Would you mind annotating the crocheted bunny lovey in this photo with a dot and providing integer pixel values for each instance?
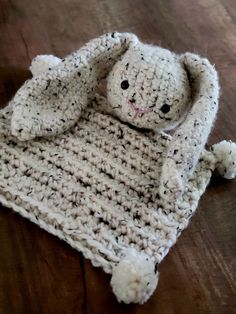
(148, 88)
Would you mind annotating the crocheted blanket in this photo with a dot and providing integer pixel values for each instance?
(96, 187)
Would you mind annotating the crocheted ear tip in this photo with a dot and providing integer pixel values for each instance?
(172, 185)
(22, 132)
(24, 129)
(135, 278)
(225, 153)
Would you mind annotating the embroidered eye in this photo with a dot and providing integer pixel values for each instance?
(165, 108)
(124, 84)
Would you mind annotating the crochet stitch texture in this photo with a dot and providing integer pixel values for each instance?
(102, 173)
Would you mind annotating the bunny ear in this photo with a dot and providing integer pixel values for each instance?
(51, 102)
(189, 139)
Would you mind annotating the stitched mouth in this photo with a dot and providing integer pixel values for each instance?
(138, 111)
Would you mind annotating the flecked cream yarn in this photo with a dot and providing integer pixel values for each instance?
(103, 174)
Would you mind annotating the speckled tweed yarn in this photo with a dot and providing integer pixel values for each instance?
(97, 172)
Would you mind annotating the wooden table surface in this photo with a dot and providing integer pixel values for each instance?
(41, 274)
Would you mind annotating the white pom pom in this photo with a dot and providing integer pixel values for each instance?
(42, 63)
(135, 278)
(225, 152)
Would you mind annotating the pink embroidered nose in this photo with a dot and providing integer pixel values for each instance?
(137, 110)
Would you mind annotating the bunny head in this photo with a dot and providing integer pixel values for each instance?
(149, 88)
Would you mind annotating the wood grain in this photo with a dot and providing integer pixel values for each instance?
(41, 274)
